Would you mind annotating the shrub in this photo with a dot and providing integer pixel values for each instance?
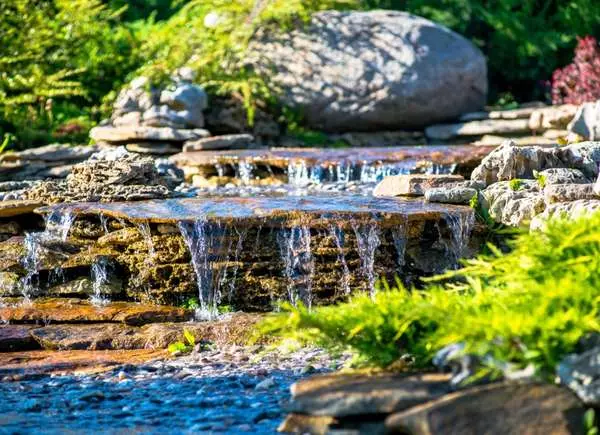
(530, 306)
(579, 82)
(58, 58)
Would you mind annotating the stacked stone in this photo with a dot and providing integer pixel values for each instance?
(160, 121)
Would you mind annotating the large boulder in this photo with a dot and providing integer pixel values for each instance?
(352, 71)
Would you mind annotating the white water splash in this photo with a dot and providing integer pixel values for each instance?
(367, 240)
(100, 278)
(299, 263)
(246, 171)
(338, 236)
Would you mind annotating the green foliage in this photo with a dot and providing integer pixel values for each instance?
(529, 306)
(58, 57)
(186, 346)
(541, 179)
(515, 184)
(589, 422)
(191, 304)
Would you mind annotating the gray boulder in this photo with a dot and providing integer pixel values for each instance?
(563, 176)
(514, 207)
(586, 122)
(360, 71)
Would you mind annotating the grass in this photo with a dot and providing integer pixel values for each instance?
(527, 307)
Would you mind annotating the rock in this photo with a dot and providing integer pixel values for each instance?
(581, 374)
(557, 117)
(354, 395)
(495, 409)
(555, 134)
(89, 337)
(513, 207)
(10, 284)
(18, 207)
(162, 116)
(412, 185)
(450, 195)
(230, 141)
(584, 156)
(52, 153)
(188, 101)
(307, 424)
(123, 177)
(362, 71)
(15, 338)
(586, 122)
(23, 364)
(84, 287)
(569, 192)
(493, 140)
(563, 176)
(61, 310)
(568, 210)
(153, 148)
(141, 133)
(477, 128)
(9, 186)
(510, 161)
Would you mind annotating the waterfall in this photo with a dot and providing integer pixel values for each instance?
(299, 263)
(204, 241)
(99, 272)
(338, 236)
(400, 236)
(367, 242)
(460, 226)
(144, 229)
(57, 227)
(246, 171)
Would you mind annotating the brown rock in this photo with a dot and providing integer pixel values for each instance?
(14, 338)
(307, 424)
(16, 365)
(344, 395)
(89, 337)
(81, 311)
(18, 207)
(495, 409)
(412, 185)
(556, 117)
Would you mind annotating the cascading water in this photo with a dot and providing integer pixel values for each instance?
(204, 241)
(57, 227)
(460, 226)
(367, 241)
(246, 171)
(295, 246)
(144, 229)
(338, 236)
(100, 278)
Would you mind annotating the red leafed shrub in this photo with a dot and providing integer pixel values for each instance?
(579, 82)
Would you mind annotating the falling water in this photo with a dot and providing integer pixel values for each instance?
(144, 229)
(400, 236)
(203, 239)
(100, 279)
(460, 226)
(236, 265)
(299, 263)
(367, 240)
(338, 236)
(57, 227)
(246, 171)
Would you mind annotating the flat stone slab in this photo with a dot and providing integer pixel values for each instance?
(52, 153)
(556, 193)
(477, 128)
(346, 395)
(277, 211)
(141, 133)
(14, 208)
(59, 310)
(17, 338)
(413, 185)
(495, 409)
(229, 141)
(19, 365)
(282, 157)
(233, 329)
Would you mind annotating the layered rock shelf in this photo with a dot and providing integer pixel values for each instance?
(247, 253)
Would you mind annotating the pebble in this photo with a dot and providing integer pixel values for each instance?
(195, 393)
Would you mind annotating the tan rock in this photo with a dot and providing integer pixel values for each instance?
(141, 133)
(62, 310)
(309, 424)
(18, 207)
(495, 409)
(477, 128)
(555, 117)
(413, 185)
(489, 139)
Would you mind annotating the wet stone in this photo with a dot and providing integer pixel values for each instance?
(60, 310)
(14, 338)
(497, 408)
(413, 185)
(451, 195)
